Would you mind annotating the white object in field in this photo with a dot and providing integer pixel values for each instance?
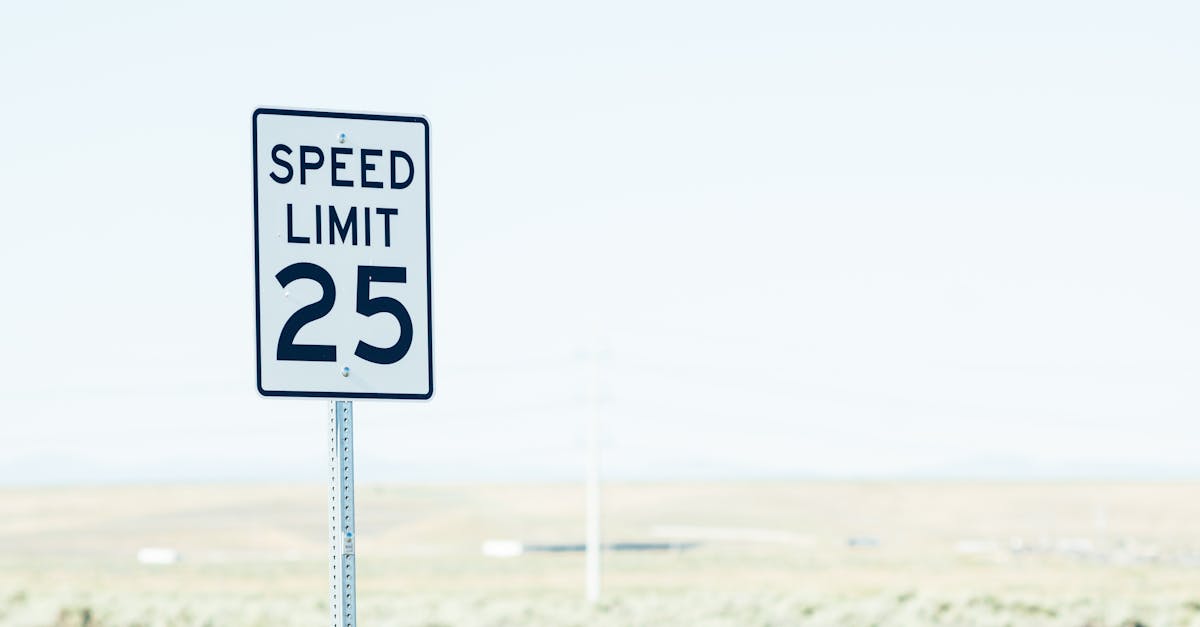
(502, 548)
(341, 513)
(157, 556)
(592, 505)
(341, 251)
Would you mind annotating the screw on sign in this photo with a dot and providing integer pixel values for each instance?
(343, 283)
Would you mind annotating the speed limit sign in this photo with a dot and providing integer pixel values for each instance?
(341, 249)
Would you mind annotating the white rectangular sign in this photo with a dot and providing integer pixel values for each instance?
(341, 254)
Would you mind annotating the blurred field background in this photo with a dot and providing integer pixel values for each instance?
(756, 240)
(765, 553)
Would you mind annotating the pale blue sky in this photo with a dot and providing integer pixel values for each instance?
(818, 239)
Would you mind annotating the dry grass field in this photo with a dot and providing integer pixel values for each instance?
(785, 553)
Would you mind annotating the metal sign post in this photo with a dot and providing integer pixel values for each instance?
(341, 513)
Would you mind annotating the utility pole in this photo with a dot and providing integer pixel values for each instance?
(593, 546)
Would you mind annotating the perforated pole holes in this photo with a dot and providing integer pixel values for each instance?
(341, 513)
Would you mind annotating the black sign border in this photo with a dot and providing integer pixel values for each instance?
(428, 256)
